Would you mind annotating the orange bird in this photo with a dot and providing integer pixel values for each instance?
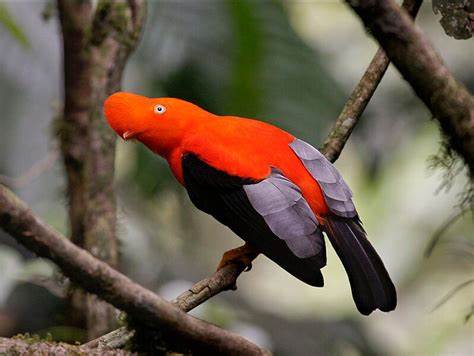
(277, 192)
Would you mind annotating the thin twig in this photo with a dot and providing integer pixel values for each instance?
(452, 293)
(222, 280)
(440, 232)
(360, 97)
(355, 106)
(115, 339)
(37, 169)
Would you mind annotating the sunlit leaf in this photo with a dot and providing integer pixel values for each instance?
(7, 21)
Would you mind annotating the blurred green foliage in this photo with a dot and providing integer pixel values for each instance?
(245, 84)
(246, 58)
(257, 67)
(10, 25)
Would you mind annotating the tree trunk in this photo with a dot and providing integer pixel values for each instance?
(96, 44)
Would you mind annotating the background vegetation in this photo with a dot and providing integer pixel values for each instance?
(292, 64)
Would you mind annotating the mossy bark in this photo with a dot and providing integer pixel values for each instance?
(96, 45)
(22, 346)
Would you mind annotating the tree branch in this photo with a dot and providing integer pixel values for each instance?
(179, 330)
(222, 280)
(415, 58)
(360, 97)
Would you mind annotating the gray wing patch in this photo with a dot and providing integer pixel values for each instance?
(281, 204)
(337, 194)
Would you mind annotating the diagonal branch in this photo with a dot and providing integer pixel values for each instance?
(37, 169)
(179, 330)
(419, 63)
(222, 280)
(360, 97)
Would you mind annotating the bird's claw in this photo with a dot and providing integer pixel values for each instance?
(242, 256)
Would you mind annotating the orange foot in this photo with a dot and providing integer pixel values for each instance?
(243, 255)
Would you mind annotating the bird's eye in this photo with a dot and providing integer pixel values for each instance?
(159, 109)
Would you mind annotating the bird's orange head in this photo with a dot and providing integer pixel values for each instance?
(159, 123)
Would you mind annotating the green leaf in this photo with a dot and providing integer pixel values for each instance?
(12, 27)
(245, 92)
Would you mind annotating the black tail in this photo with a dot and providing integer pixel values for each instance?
(371, 285)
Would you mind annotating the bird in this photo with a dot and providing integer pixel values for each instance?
(276, 192)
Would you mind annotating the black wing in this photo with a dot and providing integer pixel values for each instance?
(270, 214)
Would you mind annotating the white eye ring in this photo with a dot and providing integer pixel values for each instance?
(159, 109)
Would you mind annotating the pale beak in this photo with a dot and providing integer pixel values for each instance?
(128, 135)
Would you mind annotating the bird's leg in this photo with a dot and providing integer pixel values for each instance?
(243, 255)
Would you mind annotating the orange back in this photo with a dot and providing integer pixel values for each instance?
(249, 148)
